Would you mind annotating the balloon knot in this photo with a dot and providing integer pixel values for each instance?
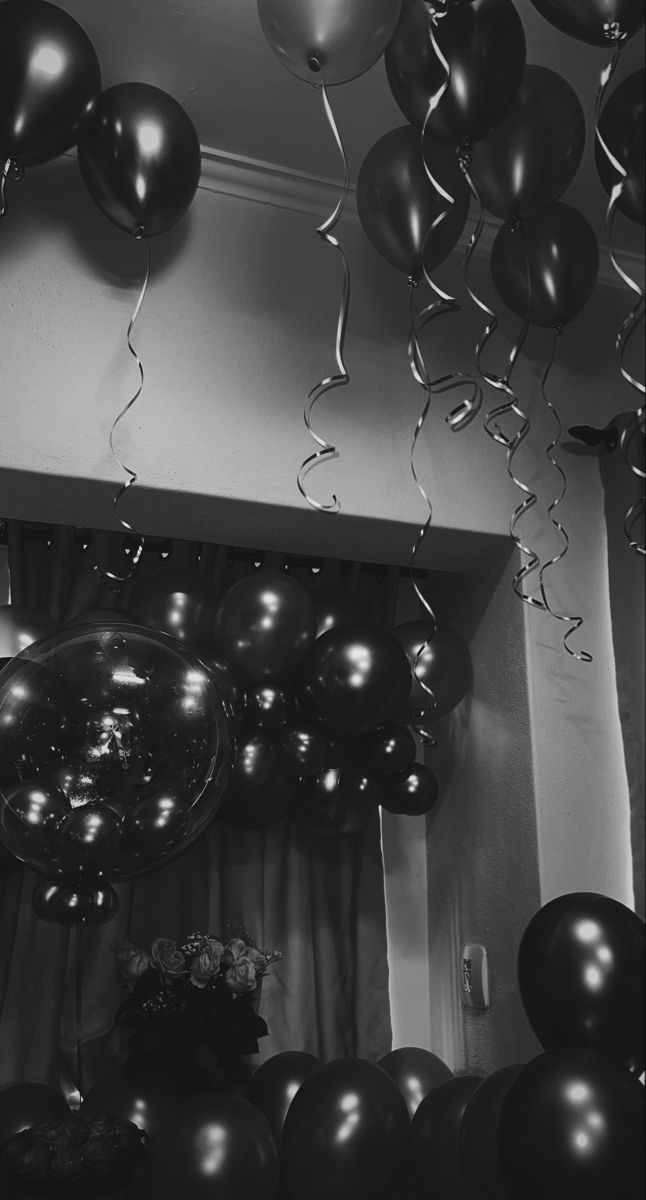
(465, 153)
(612, 30)
(414, 278)
(315, 60)
(139, 232)
(514, 223)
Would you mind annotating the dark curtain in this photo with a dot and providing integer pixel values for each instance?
(623, 488)
(321, 903)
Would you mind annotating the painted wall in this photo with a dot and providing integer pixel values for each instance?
(237, 326)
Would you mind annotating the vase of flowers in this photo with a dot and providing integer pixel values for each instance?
(192, 1007)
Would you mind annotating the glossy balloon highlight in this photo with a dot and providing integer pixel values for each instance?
(412, 792)
(581, 977)
(140, 158)
(50, 81)
(444, 666)
(177, 601)
(145, 1098)
(274, 1085)
(21, 627)
(621, 126)
(484, 46)
(416, 1072)
(398, 205)
(329, 42)
(355, 678)
(545, 269)
(264, 626)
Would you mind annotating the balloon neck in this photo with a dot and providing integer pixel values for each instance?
(414, 278)
(139, 232)
(465, 153)
(13, 171)
(514, 222)
(315, 60)
(613, 32)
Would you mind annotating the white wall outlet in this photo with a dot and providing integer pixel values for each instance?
(474, 977)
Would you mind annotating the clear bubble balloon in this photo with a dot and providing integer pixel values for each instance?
(142, 745)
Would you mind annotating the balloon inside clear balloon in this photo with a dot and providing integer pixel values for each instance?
(141, 740)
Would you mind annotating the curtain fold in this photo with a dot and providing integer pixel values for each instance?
(321, 903)
(626, 585)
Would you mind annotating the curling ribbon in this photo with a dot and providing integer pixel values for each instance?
(636, 314)
(575, 622)
(10, 170)
(80, 1082)
(324, 231)
(132, 475)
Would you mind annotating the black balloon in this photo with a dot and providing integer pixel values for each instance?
(484, 46)
(270, 706)
(336, 605)
(67, 904)
(413, 792)
(572, 1128)
(177, 601)
(320, 808)
(621, 126)
(274, 1085)
(532, 155)
(264, 626)
(214, 1144)
(303, 748)
(545, 268)
(104, 905)
(388, 750)
(479, 1158)
(25, 1104)
(87, 840)
(260, 806)
(444, 666)
(592, 20)
(30, 814)
(398, 205)
(355, 678)
(140, 158)
(581, 976)
(157, 820)
(256, 760)
(416, 1072)
(435, 1138)
(20, 626)
(144, 1098)
(50, 81)
(344, 1134)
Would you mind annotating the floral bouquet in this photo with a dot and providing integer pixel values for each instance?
(78, 1156)
(192, 1007)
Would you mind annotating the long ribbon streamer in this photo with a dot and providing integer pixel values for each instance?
(10, 170)
(341, 378)
(635, 512)
(574, 622)
(78, 982)
(132, 475)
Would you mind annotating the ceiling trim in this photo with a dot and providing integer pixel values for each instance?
(283, 187)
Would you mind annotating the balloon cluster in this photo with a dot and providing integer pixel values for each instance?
(138, 151)
(115, 754)
(321, 697)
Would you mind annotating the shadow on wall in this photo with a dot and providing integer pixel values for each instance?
(53, 197)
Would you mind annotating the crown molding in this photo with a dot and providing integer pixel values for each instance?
(283, 187)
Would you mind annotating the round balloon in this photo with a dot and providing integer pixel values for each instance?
(177, 601)
(545, 267)
(412, 792)
(444, 666)
(435, 1138)
(594, 20)
(214, 1144)
(21, 627)
(25, 1104)
(532, 155)
(416, 1072)
(581, 976)
(143, 1098)
(484, 46)
(145, 750)
(274, 1085)
(256, 760)
(479, 1157)
(328, 41)
(321, 808)
(398, 205)
(345, 1132)
(264, 626)
(270, 706)
(336, 605)
(50, 81)
(621, 126)
(140, 158)
(388, 750)
(572, 1124)
(355, 678)
(302, 748)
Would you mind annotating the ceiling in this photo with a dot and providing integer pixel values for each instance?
(212, 56)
